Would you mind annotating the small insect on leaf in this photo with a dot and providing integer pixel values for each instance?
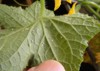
(72, 10)
(57, 4)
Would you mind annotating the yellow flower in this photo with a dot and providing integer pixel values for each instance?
(69, 1)
(72, 10)
(57, 4)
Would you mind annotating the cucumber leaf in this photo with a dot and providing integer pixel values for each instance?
(26, 34)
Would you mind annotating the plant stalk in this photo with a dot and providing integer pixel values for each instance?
(93, 11)
(89, 5)
(42, 7)
(93, 4)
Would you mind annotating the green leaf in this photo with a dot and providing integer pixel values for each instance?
(27, 34)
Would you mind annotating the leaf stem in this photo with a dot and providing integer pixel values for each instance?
(94, 12)
(20, 3)
(93, 4)
(90, 5)
(42, 7)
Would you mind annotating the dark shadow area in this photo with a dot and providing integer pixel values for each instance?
(86, 67)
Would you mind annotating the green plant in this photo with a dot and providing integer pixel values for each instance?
(37, 34)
